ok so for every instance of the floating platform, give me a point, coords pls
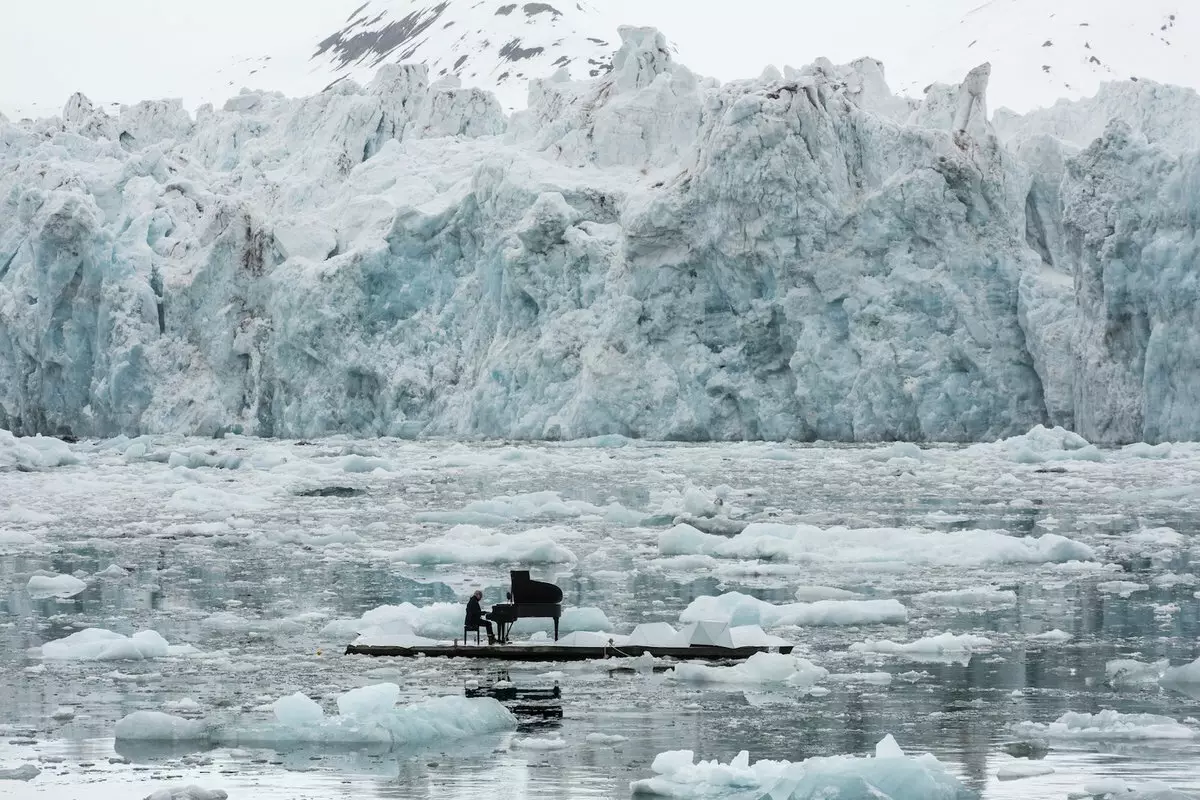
(518, 652)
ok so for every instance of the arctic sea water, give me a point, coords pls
(967, 601)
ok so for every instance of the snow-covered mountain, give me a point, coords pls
(1040, 50)
(648, 252)
(494, 44)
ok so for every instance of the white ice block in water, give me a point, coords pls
(1023, 769)
(760, 668)
(297, 710)
(741, 609)
(42, 586)
(888, 775)
(369, 701)
(188, 793)
(37, 452)
(469, 544)
(98, 644)
(941, 644)
(1108, 725)
(1186, 675)
(807, 543)
(534, 743)
(159, 727)
(375, 722)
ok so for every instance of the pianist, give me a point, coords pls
(475, 618)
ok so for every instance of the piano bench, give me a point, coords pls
(466, 630)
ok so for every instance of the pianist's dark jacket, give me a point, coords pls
(474, 612)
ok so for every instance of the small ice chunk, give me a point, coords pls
(1122, 588)
(25, 772)
(159, 727)
(188, 793)
(1023, 769)
(942, 644)
(1054, 636)
(369, 701)
(533, 743)
(888, 748)
(760, 668)
(1188, 674)
(606, 738)
(98, 644)
(41, 587)
(297, 710)
(1108, 725)
(63, 713)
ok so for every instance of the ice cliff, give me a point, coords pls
(802, 255)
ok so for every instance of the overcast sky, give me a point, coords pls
(125, 50)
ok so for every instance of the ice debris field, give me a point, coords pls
(998, 620)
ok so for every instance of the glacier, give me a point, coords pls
(651, 254)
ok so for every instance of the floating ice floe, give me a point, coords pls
(1122, 588)
(544, 505)
(1042, 444)
(760, 668)
(741, 609)
(34, 452)
(156, 726)
(1051, 637)
(25, 772)
(809, 594)
(1023, 769)
(470, 544)
(209, 501)
(366, 716)
(942, 645)
(605, 738)
(190, 792)
(1114, 788)
(1108, 725)
(41, 587)
(534, 743)
(889, 775)
(807, 543)
(1127, 673)
(1186, 675)
(975, 597)
(98, 644)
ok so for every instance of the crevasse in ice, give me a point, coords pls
(649, 254)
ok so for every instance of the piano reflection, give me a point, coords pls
(527, 598)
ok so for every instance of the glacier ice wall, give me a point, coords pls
(802, 255)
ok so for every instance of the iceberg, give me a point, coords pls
(807, 543)
(739, 609)
(41, 587)
(939, 646)
(760, 668)
(889, 775)
(1108, 725)
(401, 258)
(98, 644)
(472, 545)
(367, 716)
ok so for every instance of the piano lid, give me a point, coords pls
(527, 590)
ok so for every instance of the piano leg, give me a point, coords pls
(556, 629)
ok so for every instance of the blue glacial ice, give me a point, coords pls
(649, 254)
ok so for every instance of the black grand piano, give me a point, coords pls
(527, 598)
